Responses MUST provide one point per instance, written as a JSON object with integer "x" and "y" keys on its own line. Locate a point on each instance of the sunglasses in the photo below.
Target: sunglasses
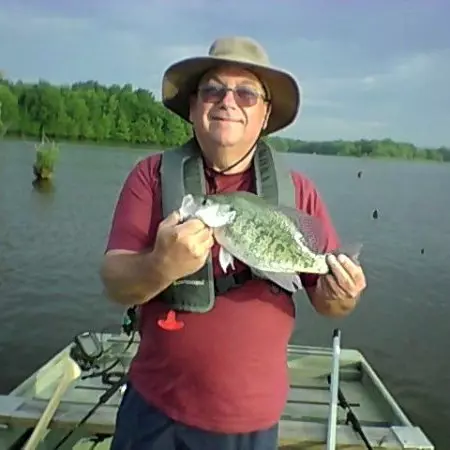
{"x": 243, "y": 96}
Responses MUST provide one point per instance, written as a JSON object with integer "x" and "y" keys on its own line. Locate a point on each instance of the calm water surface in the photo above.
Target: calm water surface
{"x": 51, "y": 245}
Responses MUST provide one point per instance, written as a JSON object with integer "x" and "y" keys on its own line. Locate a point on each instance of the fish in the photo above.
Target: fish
{"x": 275, "y": 241}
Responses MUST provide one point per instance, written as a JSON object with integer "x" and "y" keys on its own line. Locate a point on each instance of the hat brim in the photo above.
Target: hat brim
{"x": 181, "y": 79}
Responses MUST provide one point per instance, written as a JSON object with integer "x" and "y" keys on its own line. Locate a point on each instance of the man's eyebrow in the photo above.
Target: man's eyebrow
{"x": 244, "y": 82}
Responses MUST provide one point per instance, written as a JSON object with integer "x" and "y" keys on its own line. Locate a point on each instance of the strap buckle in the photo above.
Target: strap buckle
{"x": 228, "y": 282}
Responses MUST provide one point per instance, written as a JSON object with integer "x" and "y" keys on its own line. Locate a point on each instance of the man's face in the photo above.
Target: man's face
{"x": 230, "y": 107}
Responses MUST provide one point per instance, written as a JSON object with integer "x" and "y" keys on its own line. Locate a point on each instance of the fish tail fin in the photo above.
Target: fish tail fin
{"x": 353, "y": 251}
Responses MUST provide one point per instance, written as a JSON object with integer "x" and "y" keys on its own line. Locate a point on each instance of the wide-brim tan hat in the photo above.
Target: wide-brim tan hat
{"x": 181, "y": 79}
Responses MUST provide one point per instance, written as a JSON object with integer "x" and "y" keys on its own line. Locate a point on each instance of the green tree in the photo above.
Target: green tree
{"x": 385, "y": 148}
{"x": 89, "y": 111}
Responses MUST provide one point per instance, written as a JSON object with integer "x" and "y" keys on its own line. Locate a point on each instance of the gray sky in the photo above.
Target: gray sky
{"x": 368, "y": 69}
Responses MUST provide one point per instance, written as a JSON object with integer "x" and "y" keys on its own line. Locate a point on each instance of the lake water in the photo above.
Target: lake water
{"x": 51, "y": 245}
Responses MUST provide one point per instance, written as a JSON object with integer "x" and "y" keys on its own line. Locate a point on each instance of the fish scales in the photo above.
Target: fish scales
{"x": 268, "y": 237}
{"x": 277, "y": 243}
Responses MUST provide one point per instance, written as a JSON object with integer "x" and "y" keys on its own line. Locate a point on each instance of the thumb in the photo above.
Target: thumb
{"x": 171, "y": 220}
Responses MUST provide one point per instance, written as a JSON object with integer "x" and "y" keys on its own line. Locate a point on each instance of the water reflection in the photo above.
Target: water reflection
{"x": 43, "y": 186}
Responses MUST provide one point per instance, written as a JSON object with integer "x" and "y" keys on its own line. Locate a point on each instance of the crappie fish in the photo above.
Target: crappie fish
{"x": 275, "y": 242}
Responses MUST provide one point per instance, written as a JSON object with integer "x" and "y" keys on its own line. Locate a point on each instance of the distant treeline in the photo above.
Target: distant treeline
{"x": 89, "y": 111}
{"x": 385, "y": 148}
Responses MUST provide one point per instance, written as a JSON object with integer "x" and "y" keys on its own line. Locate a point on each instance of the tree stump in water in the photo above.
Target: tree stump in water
{"x": 42, "y": 173}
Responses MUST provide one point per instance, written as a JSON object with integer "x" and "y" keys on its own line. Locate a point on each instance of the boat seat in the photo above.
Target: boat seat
{"x": 106, "y": 444}
{"x": 9, "y": 404}
{"x": 25, "y": 412}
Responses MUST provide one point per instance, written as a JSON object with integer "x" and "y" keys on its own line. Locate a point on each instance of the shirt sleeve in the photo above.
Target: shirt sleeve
{"x": 133, "y": 211}
{"x": 309, "y": 200}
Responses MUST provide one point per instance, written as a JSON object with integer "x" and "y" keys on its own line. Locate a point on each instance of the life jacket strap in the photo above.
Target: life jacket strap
{"x": 228, "y": 282}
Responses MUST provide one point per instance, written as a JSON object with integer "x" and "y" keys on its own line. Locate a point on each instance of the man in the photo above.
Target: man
{"x": 220, "y": 381}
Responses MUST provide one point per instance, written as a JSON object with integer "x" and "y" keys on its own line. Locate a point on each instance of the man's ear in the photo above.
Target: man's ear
{"x": 266, "y": 118}
{"x": 192, "y": 105}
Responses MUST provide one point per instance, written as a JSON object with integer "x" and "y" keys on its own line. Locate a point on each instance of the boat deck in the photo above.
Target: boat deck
{"x": 303, "y": 425}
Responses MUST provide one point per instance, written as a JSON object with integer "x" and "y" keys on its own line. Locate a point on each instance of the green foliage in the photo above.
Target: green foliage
{"x": 385, "y": 148}
{"x": 47, "y": 153}
{"x": 89, "y": 111}
{"x": 3, "y": 126}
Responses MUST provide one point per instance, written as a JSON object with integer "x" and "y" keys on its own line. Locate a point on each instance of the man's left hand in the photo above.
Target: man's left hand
{"x": 345, "y": 282}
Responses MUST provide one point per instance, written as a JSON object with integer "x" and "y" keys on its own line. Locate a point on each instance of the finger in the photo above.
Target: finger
{"x": 331, "y": 288}
{"x": 342, "y": 277}
{"x": 204, "y": 237}
{"x": 171, "y": 220}
{"x": 201, "y": 248}
{"x": 349, "y": 276}
{"x": 355, "y": 271}
{"x": 350, "y": 267}
{"x": 190, "y": 227}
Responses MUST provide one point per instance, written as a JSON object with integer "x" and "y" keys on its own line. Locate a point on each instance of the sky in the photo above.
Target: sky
{"x": 369, "y": 69}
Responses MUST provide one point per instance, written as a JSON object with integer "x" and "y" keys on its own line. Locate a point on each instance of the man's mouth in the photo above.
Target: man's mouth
{"x": 224, "y": 119}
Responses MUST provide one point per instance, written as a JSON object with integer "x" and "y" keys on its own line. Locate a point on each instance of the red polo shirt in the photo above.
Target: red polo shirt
{"x": 226, "y": 370}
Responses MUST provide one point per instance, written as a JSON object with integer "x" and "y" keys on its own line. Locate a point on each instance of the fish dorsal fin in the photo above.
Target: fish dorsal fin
{"x": 311, "y": 228}
{"x": 315, "y": 236}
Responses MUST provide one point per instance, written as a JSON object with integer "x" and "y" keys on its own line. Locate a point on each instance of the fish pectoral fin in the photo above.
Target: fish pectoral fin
{"x": 290, "y": 282}
{"x": 187, "y": 207}
{"x": 225, "y": 259}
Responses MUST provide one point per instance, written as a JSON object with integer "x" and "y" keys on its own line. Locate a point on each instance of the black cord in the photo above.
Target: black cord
{"x": 131, "y": 314}
{"x": 104, "y": 371}
{"x": 107, "y": 378}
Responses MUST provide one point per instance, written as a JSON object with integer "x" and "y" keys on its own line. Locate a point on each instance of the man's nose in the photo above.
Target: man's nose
{"x": 229, "y": 99}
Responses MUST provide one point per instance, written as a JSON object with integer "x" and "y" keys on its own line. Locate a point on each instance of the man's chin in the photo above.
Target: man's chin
{"x": 225, "y": 139}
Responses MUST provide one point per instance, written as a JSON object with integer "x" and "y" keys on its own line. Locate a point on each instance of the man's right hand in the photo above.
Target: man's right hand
{"x": 182, "y": 249}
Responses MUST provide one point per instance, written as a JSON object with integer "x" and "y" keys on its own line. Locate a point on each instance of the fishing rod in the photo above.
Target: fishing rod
{"x": 88, "y": 349}
{"x": 334, "y": 388}
{"x": 351, "y": 417}
{"x": 101, "y": 401}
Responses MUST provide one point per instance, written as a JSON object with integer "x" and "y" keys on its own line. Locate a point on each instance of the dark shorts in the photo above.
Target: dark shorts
{"x": 140, "y": 426}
